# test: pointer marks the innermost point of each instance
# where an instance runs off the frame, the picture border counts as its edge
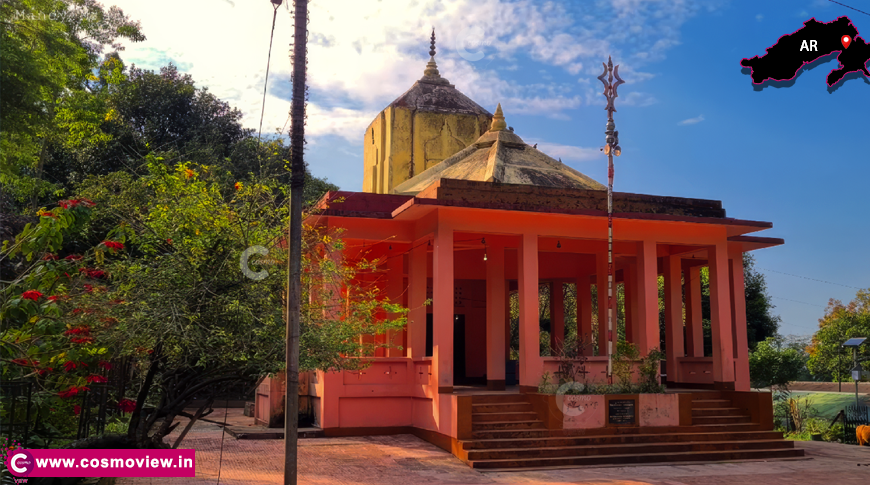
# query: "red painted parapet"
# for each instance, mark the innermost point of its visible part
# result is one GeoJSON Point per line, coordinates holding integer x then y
{"type": "Point", "coordinates": [390, 392]}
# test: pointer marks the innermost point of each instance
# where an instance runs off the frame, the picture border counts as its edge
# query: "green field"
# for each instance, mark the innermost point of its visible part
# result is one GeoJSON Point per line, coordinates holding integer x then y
{"type": "Point", "coordinates": [827, 405]}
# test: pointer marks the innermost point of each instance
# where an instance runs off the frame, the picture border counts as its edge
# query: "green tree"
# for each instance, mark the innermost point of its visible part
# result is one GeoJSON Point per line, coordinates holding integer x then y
{"type": "Point", "coordinates": [828, 359]}
{"type": "Point", "coordinates": [773, 363]}
{"type": "Point", "coordinates": [49, 50]}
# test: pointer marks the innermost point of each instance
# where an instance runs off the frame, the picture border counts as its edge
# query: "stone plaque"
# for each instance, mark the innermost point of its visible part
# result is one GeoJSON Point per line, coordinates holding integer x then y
{"type": "Point", "coordinates": [621, 412]}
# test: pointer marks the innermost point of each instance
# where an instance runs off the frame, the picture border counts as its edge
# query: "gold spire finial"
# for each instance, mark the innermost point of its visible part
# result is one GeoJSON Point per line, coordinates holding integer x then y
{"type": "Point", "coordinates": [498, 123]}
{"type": "Point", "coordinates": [432, 68]}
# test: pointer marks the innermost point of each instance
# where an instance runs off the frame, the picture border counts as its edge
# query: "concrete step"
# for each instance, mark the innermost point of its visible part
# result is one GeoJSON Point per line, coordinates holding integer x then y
{"type": "Point", "coordinates": [718, 412]}
{"type": "Point", "coordinates": [546, 442]}
{"type": "Point", "coordinates": [623, 449]}
{"type": "Point", "coordinates": [507, 425]}
{"type": "Point", "coordinates": [711, 403]}
{"type": "Point", "coordinates": [497, 398]}
{"type": "Point", "coordinates": [492, 434]}
{"type": "Point", "coordinates": [739, 419]}
{"type": "Point", "coordinates": [501, 407]}
{"type": "Point", "coordinates": [514, 416]}
{"type": "Point", "coordinates": [627, 459]}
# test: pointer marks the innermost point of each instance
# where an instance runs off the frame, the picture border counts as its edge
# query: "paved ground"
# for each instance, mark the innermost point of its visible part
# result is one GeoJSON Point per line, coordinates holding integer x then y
{"type": "Point", "coordinates": [407, 460]}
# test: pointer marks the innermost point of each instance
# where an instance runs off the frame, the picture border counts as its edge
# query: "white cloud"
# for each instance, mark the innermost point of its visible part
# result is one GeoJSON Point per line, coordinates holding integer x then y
{"type": "Point", "coordinates": [759, 17]}
{"type": "Point", "coordinates": [365, 53]}
{"type": "Point", "coordinates": [569, 153]}
{"type": "Point", "coordinates": [692, 121]}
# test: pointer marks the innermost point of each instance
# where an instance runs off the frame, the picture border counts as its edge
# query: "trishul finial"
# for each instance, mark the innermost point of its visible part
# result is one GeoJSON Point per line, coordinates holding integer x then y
{"type": "Point", "coordinates": [432, 44]}
{"type": "Point", "coordinates": [610, 72]}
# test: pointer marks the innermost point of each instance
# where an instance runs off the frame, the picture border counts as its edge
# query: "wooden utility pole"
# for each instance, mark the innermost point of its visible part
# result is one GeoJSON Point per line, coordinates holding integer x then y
{"type": "Point", "coordinates": [294, 249]}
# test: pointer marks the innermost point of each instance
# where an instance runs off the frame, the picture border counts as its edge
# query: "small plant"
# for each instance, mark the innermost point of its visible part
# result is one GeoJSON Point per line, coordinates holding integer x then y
{"type": "Point", "coordinates": [623, 361]}
{"type": "Point", "coordinates": [545, 386]}
{"type": "Point", "coordinates": [799, 410]}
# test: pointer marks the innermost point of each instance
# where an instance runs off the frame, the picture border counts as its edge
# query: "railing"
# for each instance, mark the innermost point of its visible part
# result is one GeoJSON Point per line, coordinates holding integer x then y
{"type": "Point", "coordinates": [854, 416]}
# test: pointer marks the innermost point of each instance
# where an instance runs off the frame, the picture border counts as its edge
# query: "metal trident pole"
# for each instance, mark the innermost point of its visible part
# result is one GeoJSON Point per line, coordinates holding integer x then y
{"type": "Point", "coordinates": [611, 148]}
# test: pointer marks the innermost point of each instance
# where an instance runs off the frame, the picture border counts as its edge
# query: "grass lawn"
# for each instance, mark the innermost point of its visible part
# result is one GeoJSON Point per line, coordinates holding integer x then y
{"type": "Point", "coordinates": [827, 405]}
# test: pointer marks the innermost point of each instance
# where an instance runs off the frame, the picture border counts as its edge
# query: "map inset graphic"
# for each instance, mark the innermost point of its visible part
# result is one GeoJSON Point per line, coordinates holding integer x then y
{"type": "Point", "coordinates": [812, 42]}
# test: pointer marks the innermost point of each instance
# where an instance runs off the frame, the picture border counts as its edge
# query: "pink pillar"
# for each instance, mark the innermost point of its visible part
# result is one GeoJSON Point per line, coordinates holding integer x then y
{"type": "Point", "coordinates": [601, 287]}
{"type": "Point", "coordinates": [648, 297]}
{"type": "Point", "coordinates": [557, 317]}
{"type": "Point", "coordinates": [694, 323]}
{"type": "Point", "coordinates": [673, 316]}
{"type": "Point", "coordinates": [720, 313]}
{"type": "Point", "coordinates": [417, 280]}
{"type": "Point", "coordinates": [530, 365]}
{"type": "Point", "coordinates": [495, 318]}
{"type": "Point", "coordinates": [584, 313]}
{"type": "Point", "coordinates": [442, 310]}
{"type": "Point", "coordinates": [395, 292]}
{"type": "Point", "coordinates": [738, 318]}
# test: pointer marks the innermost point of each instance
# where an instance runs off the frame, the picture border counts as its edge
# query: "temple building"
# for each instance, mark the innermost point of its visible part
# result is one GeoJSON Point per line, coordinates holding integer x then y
{"type": "Point", "coordinates": [463, 212]}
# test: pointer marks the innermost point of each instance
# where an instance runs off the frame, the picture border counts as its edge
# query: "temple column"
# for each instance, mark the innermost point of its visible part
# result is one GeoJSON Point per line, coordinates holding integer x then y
{"type": "Point", "coordinates": [601, 288]}
{"type": "Point", "coordinates": [442, 310]}
{"type": "Point", "coordinates": [531, 366]}
{"type": "Point", "coordinates": [738, 319]}
{"type": "Point", "coordinates": [694, 323]}
{"type": "Point", "coordinates": [673, 316]}
{"type": "Point", "coordinates": [720, 316]}
{"type": "Point", "coordinates": [395, 291]}
{"type": "Point", "coordinates": [584, 314]}
{"type": "Point", "coordinates": [417, 280]}
{"type": "Point", "coordinates": [647, 297]}
{"type": "Point", "coordinates": [557, 317]}
{"type": "Point", "coordinates": [495, 319]}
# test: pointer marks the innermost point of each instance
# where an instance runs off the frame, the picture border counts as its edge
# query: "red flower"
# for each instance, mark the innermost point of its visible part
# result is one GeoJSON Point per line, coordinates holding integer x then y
{"type": "Point", "coordinates": [87, 202]}
{"type": "Point", "coordinates": [169, 241]}
{"type": "Point", "coordinates": [52, 298]}
{"type": "Point", "coordinates": [77, 409]}
{"type": "Point", "coordinates": [69, 366]}
{"type": "Point", "coordinates": [82, 340]}
{"type": "Point", "coordinates": [238, 185]}
{"type": "Point", "coordinates": [31, 295]}
{"type": "Point", "coordinates": [73, 257]}
{"type": "Point", "coordinates": [105, 365]}
{"type": "Point", "coordinates": [46, 214]}
{"type": "Point", "coordinates": [127, 406]}
{"type": "Point", "coordinates": [113, 244]}
{"type": "Point", "coordinates": [66, 204]}
{"type": "Point", "coordinates": [76, 310]}
{"type": "Point", "coordinates": [43, 372]}
{"type": "Point", "coordinates": [25, 362]}
{"type": "Point", "coordinates": [72, 392]}
{"type": "Point", "coordinates": [81, 330]}
{"type": "Point", "coordinates": [49, 257]}
{"type": "Point", "coordinates": [88, 288]}
{"type": "Point", "coordinates": [96, 378]}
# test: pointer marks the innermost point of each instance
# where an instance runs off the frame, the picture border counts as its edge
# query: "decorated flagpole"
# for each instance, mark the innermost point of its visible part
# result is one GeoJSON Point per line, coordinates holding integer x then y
{"type": "Point", "coordinates": [611, 148]}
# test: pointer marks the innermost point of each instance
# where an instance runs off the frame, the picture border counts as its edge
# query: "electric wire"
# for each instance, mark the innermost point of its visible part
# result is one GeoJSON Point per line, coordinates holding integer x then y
{"type": "Point", "coordinates": [266, 83]}
{"type": "Point", "coordinates": [853, 8]}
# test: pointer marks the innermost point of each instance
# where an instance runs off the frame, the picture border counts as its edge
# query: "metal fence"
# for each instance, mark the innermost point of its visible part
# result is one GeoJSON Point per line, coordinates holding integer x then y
{"type": "Point", "coordinates": [854, 416]}
{"type": "Point", "coordinates": [21, 419]}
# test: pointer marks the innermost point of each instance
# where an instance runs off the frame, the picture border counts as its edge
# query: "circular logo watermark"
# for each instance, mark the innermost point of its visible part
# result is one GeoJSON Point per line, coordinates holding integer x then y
{"type": "Point", "coordinates": [569, 400]}
{"type": "Point", "coordinates": [20, 463]}
{"type": "Point", "coordinates": [246, 256]}
{"type": "Point", "coordinates": [471, 42]}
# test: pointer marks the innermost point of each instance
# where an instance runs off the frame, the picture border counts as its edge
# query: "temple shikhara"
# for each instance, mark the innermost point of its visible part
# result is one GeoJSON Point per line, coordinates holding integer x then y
{"type": "Point", "coordinates": [469, 220]}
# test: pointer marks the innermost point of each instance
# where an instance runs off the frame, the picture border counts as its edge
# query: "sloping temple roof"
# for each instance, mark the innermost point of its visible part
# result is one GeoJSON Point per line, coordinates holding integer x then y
{"type": "Point", "coordinates": [501, 156]}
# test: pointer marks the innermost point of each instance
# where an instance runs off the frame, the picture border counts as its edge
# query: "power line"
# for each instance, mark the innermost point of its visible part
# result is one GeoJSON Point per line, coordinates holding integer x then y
{"type": "Point", "coordinates": [811, 279]}
{"type": "Point", "coordinates": [266, 84]}
{"type": "Point", "coordinates": [796, 301]}
{"type": "Point", "coordinates": [853, 8]}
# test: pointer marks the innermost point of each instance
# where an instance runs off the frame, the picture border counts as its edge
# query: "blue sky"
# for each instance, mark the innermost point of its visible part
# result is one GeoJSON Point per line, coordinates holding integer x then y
{"type": "Point", "coordinates": [690, 122]}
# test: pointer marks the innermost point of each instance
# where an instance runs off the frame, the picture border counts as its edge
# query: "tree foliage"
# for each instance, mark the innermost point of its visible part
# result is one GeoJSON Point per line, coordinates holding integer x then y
{"type": "Point", "coordinates": [828, 360]}
{"type": "Point", "coordinates": [773, 363]}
